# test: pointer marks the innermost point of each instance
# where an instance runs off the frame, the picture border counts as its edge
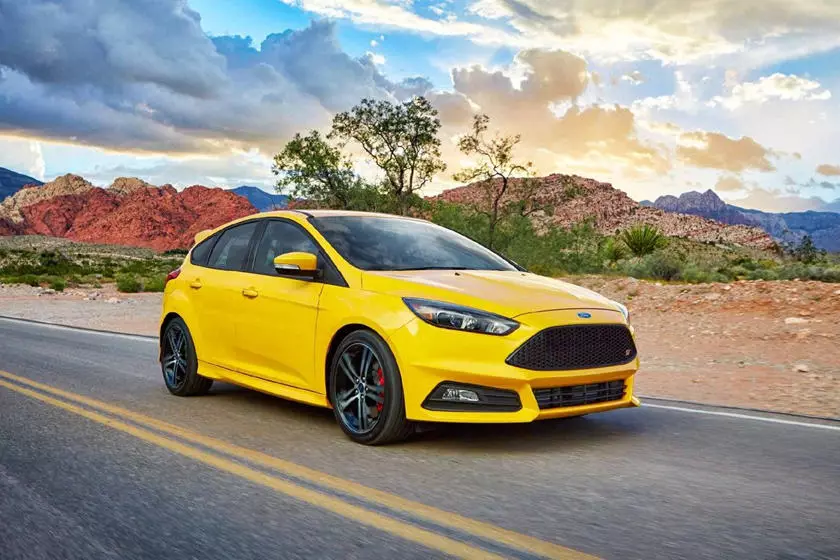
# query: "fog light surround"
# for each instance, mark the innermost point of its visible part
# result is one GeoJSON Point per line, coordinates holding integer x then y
{"type": "Point", "coordinates": [461, 397]}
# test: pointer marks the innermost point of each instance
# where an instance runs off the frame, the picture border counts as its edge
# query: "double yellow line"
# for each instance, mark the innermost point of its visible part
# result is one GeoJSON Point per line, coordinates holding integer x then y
{"type": "Point", "coordinates": [226, 457]}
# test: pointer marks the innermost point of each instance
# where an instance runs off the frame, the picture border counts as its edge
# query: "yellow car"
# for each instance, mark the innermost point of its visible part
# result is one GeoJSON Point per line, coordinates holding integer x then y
{"type": "Point", "coordinates": [389, 321]}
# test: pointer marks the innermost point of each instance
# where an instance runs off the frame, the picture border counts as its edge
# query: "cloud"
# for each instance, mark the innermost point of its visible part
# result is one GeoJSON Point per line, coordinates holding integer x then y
{"type": "Point", "coordinates": [729, 183]}
{"type": "Point", "coordinates": [716, 151]}
{"type": "Point", "coordinates": [145, 78]}
{"type": "Point", "coordinates": [668, 30]}
{"type": "Point", "coordinates": [828, 170]}
{"type": "Point", "coordinates": [556, 132]}
{"type": "Point", "coordinates": [635, 77]}
{"type": "Point", "coordinates": [774, 87]}
{"type": "Point", "coordinates": [774, 200]}
{"type": "Point", "coordinates": [25, 156]}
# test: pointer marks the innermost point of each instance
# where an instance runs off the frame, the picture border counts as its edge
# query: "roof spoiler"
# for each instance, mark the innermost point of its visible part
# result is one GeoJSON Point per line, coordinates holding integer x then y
{"type": "Point", "coordinates": [202, 235]}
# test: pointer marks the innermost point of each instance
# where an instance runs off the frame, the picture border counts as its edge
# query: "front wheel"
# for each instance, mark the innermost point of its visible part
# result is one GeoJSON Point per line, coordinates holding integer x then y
{"type": "Point", "coordinates": [179, 363]}
{"type": "Point", "coordinates": [366, 391]}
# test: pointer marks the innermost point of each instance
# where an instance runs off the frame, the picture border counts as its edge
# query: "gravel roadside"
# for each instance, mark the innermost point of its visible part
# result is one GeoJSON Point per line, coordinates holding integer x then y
{"type": "Point", "coordinates": [767, 345]}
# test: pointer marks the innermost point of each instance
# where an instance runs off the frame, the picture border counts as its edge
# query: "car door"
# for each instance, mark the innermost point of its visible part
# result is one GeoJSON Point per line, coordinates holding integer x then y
{"type": "Point", "coordinates": [275, 330]}
{"type": "Point", "coordinates": [216, 293]}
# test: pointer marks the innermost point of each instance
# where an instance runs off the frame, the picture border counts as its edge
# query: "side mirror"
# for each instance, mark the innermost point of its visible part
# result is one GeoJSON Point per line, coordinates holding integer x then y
{"type": "Point", "coordinates": [297, 265]}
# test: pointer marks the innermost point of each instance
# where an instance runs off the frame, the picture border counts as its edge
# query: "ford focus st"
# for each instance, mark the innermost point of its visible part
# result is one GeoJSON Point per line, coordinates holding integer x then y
{"type": "Point", "coordinates": [389, 321]}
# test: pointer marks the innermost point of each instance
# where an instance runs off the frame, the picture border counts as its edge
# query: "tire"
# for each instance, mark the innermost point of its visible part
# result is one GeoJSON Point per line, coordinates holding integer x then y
{"type": "Point", "coordinates": [181, 377]}
{"type": "Point", "coordinates": [382, 381]}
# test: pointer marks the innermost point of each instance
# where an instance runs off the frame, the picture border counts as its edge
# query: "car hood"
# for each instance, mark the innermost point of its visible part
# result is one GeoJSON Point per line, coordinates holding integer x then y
{"type": "Point", "coordinates": [508, 293]}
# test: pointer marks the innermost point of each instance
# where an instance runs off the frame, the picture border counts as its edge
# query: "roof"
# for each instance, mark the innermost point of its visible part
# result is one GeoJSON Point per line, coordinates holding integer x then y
{"type": "Point", "coordinates": [320, 213]}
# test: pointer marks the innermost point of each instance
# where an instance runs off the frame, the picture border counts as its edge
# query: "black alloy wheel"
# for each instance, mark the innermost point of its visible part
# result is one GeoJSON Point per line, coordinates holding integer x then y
{"type": "Point", "coordinates": [179, 363]}
{"type": "Point", "coordinates": [366, 390]}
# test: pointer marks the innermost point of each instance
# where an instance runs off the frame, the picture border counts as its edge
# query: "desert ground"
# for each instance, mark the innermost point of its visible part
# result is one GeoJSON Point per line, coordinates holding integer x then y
{"type": "Point", "coordinates": [763, 345]}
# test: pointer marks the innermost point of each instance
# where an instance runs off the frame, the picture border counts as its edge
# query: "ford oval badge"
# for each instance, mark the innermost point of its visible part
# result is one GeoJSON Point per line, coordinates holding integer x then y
{"type": "Point", "coordinates": [585, 315]}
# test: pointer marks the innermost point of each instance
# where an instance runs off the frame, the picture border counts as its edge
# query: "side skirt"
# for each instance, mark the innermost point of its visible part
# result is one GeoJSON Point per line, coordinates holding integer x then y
{"type": "Point", "coordinates": [262, 385]}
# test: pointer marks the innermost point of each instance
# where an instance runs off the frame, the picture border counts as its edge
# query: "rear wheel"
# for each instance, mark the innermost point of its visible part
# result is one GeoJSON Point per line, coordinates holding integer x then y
{"type": "Point", "coordinates": [179, 363]}
{"type": "Point", "coordinates": [366, 391]}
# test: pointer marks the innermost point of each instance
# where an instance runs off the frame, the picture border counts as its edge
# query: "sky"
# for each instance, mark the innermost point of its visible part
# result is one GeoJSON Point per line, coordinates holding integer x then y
{"type": "Point", "coordinates": [654, 96]}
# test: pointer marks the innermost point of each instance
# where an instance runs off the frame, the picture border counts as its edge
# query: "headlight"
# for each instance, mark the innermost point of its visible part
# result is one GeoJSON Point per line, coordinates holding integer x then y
{"type": "Point", "coordinates": [624, 311]}
{"type": "Point", "coordinates": [456, 317]}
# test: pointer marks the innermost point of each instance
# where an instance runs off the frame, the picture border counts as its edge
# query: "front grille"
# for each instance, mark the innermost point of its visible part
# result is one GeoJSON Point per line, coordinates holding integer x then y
{"type": "Point", "coordinates": [575, 347]}
{"type": "Point", "coordinates": [576, 395]}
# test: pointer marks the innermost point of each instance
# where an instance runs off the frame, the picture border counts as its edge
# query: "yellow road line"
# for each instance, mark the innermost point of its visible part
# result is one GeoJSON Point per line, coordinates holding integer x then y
{"type": "Point", "coordinates": [354, 513]}
{"type": "Point", "coordinates": [422, 511]}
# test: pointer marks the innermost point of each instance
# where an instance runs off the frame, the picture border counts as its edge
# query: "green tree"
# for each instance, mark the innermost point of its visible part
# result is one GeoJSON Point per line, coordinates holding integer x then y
{"type": "Point", "coordinates": [508, 187]}
{"type": "Point", "coordinates": [805, 251]}
{"type": "Point", "coordinates": [400, 139]}
{"type": "Point", "coordinates": [316, 171]}
{"type": "Point", "coordinates": [643, 239]}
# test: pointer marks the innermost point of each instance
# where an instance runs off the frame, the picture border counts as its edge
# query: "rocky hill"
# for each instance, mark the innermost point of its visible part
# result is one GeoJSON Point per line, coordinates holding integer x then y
{"type": "Point", "coordinates": [11, 182]}
{"type": "Point", "coordinates": [823, 227]}
{"type": "Point", "coordinates": [262, 200]}
{"type": "Point", "coordinates": [129, 212]}
{"type": "Point", "coordinates": [575, 199]}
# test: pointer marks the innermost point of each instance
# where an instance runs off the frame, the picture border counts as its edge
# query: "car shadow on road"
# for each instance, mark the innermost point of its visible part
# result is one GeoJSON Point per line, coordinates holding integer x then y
{"type": "Point", "coordinates": [570, 434]}
{"type": "Point", "coordinates": [617, 428]}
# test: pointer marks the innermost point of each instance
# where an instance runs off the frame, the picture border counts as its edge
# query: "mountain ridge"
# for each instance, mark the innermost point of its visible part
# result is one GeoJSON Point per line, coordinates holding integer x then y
{"type": "Point", "coordinates": [12, 181]}
{"type": "Point", "coordinates": [788, 227]}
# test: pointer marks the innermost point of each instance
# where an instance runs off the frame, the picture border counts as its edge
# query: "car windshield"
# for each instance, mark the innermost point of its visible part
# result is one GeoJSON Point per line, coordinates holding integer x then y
{"type": "Point", "coordinates": [391, 243]}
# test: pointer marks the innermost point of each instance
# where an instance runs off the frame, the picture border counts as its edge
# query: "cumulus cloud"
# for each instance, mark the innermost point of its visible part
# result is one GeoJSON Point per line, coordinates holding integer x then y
{"type": "Point", "coordinates": [25, 156]}
{"type": "Point", "coordinates": [729, 183]}
{"type": "Point", "coordinates": [671, 30]}
{"type": "Point", "coordinates": [145, 77]}
{"type": "Point", "coordinates": [774, 200]}
{"type": "Point", "coordinates": [556, 132]}
{"type": "Point", "coordinates": [828, 170]}
{"type": "Point", "coordinates": [635, 77]}
{"type": "Point", "coordinates": [777, 86]}
{"type": "Point", "coordinates": [717, 151]}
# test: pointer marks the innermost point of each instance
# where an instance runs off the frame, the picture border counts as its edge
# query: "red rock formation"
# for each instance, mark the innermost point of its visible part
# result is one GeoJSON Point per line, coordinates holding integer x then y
{"type": "Point", "coordinates": [158, 218]}
{"type": "Point", "coordinates": [575, 199]}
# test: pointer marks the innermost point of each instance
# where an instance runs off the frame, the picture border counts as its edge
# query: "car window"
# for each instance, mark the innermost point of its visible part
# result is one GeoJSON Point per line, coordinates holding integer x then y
{"type": "Point", "coordinates": [231, 251]}
{"type": "Point", "coordinates": [390, 243]}
{"type": "Point", "coordinates": [201, 252]}
{"type": "Point", "coordinates": [280, 237]}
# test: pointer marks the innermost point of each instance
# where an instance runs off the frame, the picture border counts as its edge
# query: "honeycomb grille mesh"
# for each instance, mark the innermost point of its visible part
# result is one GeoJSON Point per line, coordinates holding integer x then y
{"type": "Point", "coordinates": [577, 395]}
{"type": "Point", "coordinates": [575, 347]}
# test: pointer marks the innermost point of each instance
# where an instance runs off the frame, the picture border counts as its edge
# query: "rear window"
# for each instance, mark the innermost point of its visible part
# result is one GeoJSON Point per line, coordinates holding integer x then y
{"type": "Point", "coordinates": [201, 252]}
{"type": "Point", "coordinates": [231, 250]}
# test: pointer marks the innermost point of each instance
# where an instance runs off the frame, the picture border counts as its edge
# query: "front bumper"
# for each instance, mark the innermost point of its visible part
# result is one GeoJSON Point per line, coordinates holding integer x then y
{"type": "Point", "coordinates": [429, 355]}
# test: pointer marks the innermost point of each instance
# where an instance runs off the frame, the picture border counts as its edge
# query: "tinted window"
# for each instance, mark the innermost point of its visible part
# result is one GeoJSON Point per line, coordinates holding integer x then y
{"type": "Point", "coordinates": [201, 252]}
{"type": "Point", "coordinates": [278, 238]}
{"type": "Point", "coordinates": [385, 243]}
{"type": "Point", "coordinates": [231, 251]}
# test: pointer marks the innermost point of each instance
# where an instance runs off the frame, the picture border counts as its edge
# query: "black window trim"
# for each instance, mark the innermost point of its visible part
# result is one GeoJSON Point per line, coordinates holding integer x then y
{"type": "Point", "coordinates": [328, 262]}
{"type": "Point", "coordinates": [218, 236]}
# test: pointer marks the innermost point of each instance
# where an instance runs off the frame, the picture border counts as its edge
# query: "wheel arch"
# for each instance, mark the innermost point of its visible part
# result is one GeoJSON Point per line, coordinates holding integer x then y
{"type": "Point", "coordinates": [335, 341]}
{"type": "Point", "coordinates": [163, 324]}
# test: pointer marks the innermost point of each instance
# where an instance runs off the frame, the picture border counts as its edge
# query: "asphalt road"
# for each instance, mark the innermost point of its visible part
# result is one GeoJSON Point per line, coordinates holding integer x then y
{"type": "Point", "coordinates": [97, 460]}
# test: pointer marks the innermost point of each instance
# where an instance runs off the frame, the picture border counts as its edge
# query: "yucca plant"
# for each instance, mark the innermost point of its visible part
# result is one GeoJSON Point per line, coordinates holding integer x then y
{"type": "Point", "coordinates": [643, 239]}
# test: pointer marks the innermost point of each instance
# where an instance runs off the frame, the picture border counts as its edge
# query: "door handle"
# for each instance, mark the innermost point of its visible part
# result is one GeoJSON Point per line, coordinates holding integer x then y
{"type": "Point", "coordinates": [195, 284]}
{"type": "Point", "coordinates": [250, 293]}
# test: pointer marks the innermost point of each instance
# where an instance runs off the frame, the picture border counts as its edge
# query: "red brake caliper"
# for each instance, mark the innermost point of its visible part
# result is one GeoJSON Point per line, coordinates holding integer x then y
{"type": "Point", "coordinates": [381, 381]}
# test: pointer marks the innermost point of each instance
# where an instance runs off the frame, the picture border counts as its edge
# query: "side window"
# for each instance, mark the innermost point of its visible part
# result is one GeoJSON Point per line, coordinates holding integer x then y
{"type": "Point", "coordinates": [278, 238]}
{"type": "Point", "coordinates": [201, 252]}
{"type": "Point", "coordinates": [231, 250]}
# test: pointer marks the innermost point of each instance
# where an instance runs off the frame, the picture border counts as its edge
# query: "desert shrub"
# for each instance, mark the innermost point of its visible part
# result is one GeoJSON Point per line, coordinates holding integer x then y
{"type": "Point", "coordinates": [656, 266]}
{"type": "Point", "coordinates": [128, 283]}
{"type": "Point", "coordinates": [643, 239]}
{"type": "Point", "coordinates": [612, 250]}
{"type": "Point", "coordinates": [154, 284]}
{"type": "Point", "coordinates": [58, 284]}
{"type": "Point", "coordinates": [763, 274]}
